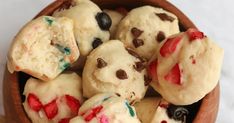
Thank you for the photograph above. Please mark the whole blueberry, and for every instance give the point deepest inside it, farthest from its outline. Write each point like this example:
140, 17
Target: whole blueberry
103, 20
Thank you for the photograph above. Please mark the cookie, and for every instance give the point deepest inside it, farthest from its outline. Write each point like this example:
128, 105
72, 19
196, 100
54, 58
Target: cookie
157, 110
113, 68
106, 108
44, 48
53, 101
115, 17
187, 67
144, 27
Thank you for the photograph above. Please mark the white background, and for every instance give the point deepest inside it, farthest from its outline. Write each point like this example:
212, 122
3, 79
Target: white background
214, 17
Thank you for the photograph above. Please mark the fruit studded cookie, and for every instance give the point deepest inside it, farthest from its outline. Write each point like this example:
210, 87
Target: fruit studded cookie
144, 27
115, 17
54, 101
91, 24
188, 67
112, 68
44, 48
106, 108
157, 110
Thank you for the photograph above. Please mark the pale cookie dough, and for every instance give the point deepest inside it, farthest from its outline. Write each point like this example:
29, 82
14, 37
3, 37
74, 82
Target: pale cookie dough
144, 27
53, 101
188, 67
156, 110
106, 108
115, 17
112, 68
44, 48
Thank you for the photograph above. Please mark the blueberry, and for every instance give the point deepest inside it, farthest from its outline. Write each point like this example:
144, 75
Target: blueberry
103, 20
96, 42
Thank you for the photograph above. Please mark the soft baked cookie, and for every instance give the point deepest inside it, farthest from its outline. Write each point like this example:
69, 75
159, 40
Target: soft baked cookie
106, 108
157, 110
144, 27
115, 17
188, 67
112, 68
91, 24
53, 101
44, 48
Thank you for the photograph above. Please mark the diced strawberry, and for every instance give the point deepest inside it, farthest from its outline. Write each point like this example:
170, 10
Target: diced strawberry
73, 104
169, 46
93, 113
122, 10
34, 102
51, 109
194, 34
97, 109
152, 69
174, 75
89, 117
64, 120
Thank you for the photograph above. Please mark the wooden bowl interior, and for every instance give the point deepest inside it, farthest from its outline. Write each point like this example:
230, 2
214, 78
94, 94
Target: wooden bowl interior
14, 83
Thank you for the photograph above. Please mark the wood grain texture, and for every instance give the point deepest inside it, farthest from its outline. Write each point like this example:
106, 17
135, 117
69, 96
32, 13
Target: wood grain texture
12, 100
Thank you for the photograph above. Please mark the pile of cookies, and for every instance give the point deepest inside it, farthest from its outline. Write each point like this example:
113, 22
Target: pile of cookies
119, 53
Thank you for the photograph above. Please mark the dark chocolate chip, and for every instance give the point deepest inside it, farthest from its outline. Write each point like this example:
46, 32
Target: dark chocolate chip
134, 54
118, 94
139, 66
103, 20
121, 74
178, 113
147, 80
101, 63
96, 42
137, 42
165, 17
136, 32
160, 36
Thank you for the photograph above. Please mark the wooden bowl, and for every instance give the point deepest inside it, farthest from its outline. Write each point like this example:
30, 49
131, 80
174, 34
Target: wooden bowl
202, 111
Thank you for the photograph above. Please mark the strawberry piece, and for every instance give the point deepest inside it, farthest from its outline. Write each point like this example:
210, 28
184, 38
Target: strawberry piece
34, 102
97, 109
64, 120
51, 109
152, 69
174, 75
73, 104
93, 113
194, 34
169, 46
89, 117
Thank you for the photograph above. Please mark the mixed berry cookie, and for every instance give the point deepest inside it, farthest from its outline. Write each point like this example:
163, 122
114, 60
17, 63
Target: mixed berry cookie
187, 68
144, 27
106, 108
91, 24
157, 110
54, 101
44, 48
115, 17
113, 68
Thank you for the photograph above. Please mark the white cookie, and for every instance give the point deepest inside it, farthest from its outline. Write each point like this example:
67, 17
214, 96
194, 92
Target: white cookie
44, 48
144, 27
188, 67
53, 101
111, 68
106, 108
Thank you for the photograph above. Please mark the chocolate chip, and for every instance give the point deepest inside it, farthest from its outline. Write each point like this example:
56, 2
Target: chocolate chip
165, 17
118, 94
160, 36
104, 21
101, 63
177, 112
139, 66
121, 74
136, 32
134, 54
137, 42
147, 80
96, 42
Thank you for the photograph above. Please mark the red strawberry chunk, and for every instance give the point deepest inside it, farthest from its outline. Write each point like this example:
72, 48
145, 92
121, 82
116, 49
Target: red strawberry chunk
64, 120
174, 75
152, 69
34, 102
93, 113
89, 117
51, 109
73, 104
194, 34
97, 109
169, 46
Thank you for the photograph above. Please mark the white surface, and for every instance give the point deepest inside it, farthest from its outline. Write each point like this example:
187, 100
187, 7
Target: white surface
214, 17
